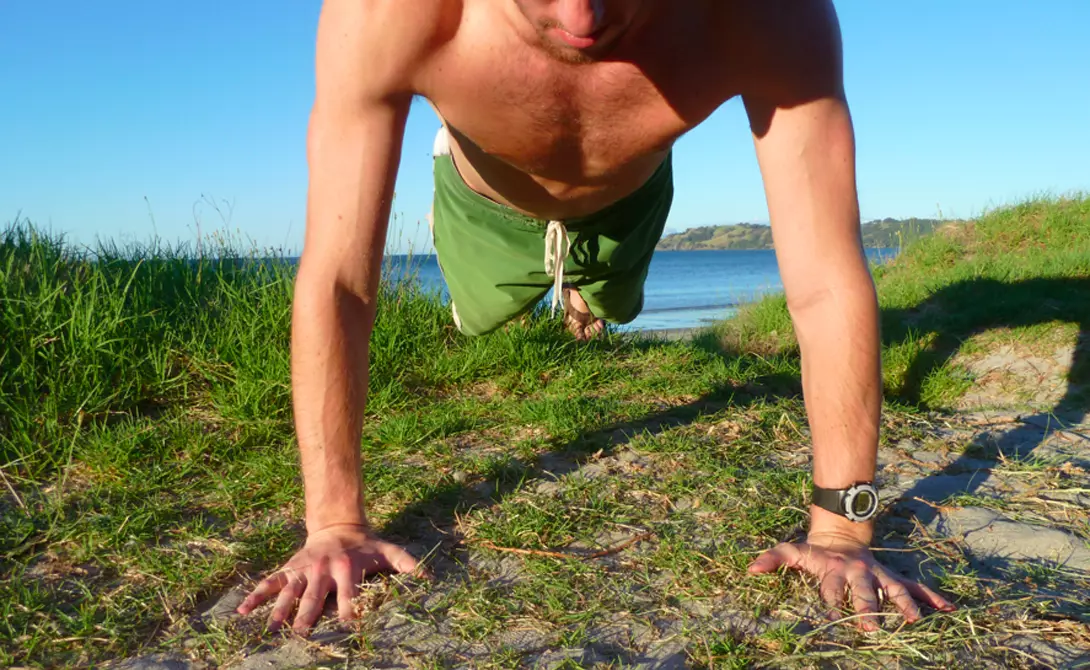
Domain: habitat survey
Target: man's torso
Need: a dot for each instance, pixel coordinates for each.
(557, 140)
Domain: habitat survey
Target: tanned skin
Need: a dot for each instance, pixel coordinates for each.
(559, 131)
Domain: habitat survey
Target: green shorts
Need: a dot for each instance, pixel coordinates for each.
(493, 258)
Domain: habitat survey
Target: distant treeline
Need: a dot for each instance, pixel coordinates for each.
(879, 234)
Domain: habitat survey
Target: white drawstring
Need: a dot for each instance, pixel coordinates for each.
(557, 246)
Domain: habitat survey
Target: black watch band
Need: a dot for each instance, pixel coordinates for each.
(858, 503)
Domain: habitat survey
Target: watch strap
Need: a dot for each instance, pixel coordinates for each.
(829, 499)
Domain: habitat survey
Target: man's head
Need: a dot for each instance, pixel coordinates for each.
(580, 31)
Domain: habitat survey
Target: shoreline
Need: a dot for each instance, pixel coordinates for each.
(669, 334)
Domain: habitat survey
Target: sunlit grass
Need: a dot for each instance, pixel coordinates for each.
(149, 458)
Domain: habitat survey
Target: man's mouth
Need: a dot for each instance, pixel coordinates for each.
(575, 40)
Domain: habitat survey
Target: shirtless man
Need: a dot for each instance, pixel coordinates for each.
(559, 117)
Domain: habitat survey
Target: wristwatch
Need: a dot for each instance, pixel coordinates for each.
(858, 502)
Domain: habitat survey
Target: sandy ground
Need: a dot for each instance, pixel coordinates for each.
(1010, 514)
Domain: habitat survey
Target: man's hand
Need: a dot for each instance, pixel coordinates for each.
(336, 558)
(841, 564)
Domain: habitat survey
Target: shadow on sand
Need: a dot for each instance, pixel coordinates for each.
(952, 315)
(962, 310)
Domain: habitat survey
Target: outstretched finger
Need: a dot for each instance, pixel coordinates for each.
(898, 594)
(312, 601)
(398, 559)
(927, 595)
(347, 579)
(285, 602)
(864, 599)
(833, 589)
(268, 587)
(783, 554)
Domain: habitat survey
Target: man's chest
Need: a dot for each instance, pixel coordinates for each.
(559, 122)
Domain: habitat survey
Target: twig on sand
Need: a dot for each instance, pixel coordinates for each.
(922, 464)
(993, 421)
(940, 545)
(12, 490)
(557, 554)
(1058, 503)
(909, 550)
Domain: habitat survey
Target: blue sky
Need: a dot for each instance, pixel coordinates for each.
(124, 119)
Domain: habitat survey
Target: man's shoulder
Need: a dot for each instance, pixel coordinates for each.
(392, 39)
(414, 28)
(789, 45)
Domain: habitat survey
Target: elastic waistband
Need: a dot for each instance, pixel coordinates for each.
(450, 180)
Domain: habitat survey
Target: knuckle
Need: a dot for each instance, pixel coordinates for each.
(833, 566)
(315, 570)
(294, 587)
(897, 590)
(866, 599)
(312, 597)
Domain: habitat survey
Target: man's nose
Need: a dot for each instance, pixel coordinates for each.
(581, 17)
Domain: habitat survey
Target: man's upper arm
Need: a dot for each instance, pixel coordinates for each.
(365, 58)
(806, 150)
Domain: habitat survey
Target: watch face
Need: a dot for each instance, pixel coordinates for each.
(861, 502)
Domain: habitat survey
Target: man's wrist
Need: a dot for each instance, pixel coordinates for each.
(340, 528)
(824, 522)
(319, 522)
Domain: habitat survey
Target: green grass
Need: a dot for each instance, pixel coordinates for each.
(146, 437)
(149, 461)
(1021, 273)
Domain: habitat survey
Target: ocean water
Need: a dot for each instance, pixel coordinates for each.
(684, 289)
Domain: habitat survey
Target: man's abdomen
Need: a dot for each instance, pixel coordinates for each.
(493, 257)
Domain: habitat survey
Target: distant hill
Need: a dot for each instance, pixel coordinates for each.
(882, 234)
(888, 233)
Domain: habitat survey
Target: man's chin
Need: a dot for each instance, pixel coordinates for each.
(570, 54)
(567, 54)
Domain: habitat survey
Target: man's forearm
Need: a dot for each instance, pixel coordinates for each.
(841, 374)
(329, 385)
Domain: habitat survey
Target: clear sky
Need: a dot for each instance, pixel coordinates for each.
(124, 118)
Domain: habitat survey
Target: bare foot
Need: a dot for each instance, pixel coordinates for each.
(578, 318)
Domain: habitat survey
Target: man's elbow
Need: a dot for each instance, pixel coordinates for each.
(801, 302)
(320, 287)
(832, 298)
